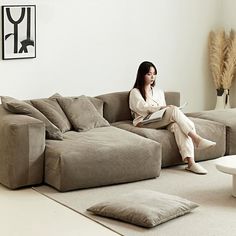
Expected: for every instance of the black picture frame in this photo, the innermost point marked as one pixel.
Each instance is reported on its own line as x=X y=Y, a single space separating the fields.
x=18 y=32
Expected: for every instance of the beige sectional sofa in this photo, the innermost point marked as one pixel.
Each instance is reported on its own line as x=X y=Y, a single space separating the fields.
x=104 y=155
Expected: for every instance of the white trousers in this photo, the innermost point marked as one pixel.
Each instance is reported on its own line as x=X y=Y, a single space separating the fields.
x=181 y=126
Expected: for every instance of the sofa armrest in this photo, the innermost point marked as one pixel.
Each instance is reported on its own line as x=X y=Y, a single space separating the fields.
x=22 y=144
x=172 y=98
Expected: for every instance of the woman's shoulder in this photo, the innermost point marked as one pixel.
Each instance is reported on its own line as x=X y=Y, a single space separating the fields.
x=135 y=94
x=134 y=91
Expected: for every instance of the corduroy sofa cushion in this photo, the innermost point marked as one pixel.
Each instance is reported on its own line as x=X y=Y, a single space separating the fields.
x=100 y=156
x=211 y=130
x=226 y=117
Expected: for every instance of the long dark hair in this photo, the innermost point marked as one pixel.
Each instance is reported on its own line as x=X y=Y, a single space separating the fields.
x=143 y=69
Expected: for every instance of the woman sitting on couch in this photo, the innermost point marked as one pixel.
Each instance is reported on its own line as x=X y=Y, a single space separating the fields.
x=144 y=100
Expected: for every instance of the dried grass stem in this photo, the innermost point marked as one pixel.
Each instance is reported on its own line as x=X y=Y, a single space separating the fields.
x=222 y=58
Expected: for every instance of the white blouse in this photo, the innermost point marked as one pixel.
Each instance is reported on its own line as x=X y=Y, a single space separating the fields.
x=141 y=108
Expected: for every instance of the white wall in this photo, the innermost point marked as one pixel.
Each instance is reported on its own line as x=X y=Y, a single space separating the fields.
x=95 y=46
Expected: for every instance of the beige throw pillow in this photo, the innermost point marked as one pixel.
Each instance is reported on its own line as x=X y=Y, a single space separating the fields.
x=52 y=110
x=20 y=107
x=144 y=208
x=98 y=103
x=82 y=113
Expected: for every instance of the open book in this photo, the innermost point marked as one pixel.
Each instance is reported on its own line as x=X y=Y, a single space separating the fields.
x=158 y=115
x=183 y=105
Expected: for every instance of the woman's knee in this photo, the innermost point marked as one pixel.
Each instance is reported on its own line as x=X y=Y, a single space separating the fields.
x=170 y=110
x=173 y=112
x=173 y=127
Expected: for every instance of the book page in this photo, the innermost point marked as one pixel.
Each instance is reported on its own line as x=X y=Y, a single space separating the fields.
x=157 y=114
x=183 y=105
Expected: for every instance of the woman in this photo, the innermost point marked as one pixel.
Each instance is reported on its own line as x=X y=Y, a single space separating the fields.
x=144 y=99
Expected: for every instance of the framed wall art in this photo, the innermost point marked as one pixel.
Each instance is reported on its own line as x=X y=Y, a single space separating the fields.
x=18 y=32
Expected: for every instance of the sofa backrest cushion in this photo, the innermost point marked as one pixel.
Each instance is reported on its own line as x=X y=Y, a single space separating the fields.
x=172 y=98
x=20 y=107
x=116 y=105
x=82 y=113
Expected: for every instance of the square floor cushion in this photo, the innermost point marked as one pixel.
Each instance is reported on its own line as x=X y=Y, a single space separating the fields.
x=144 y=208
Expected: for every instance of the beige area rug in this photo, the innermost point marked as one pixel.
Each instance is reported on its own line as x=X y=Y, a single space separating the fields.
x=215 y=216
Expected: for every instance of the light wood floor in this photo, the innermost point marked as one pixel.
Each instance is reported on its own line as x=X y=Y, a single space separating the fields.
x=26 y=213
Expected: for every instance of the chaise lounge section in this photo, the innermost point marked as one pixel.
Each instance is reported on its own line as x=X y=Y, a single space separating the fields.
x=98 y=157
